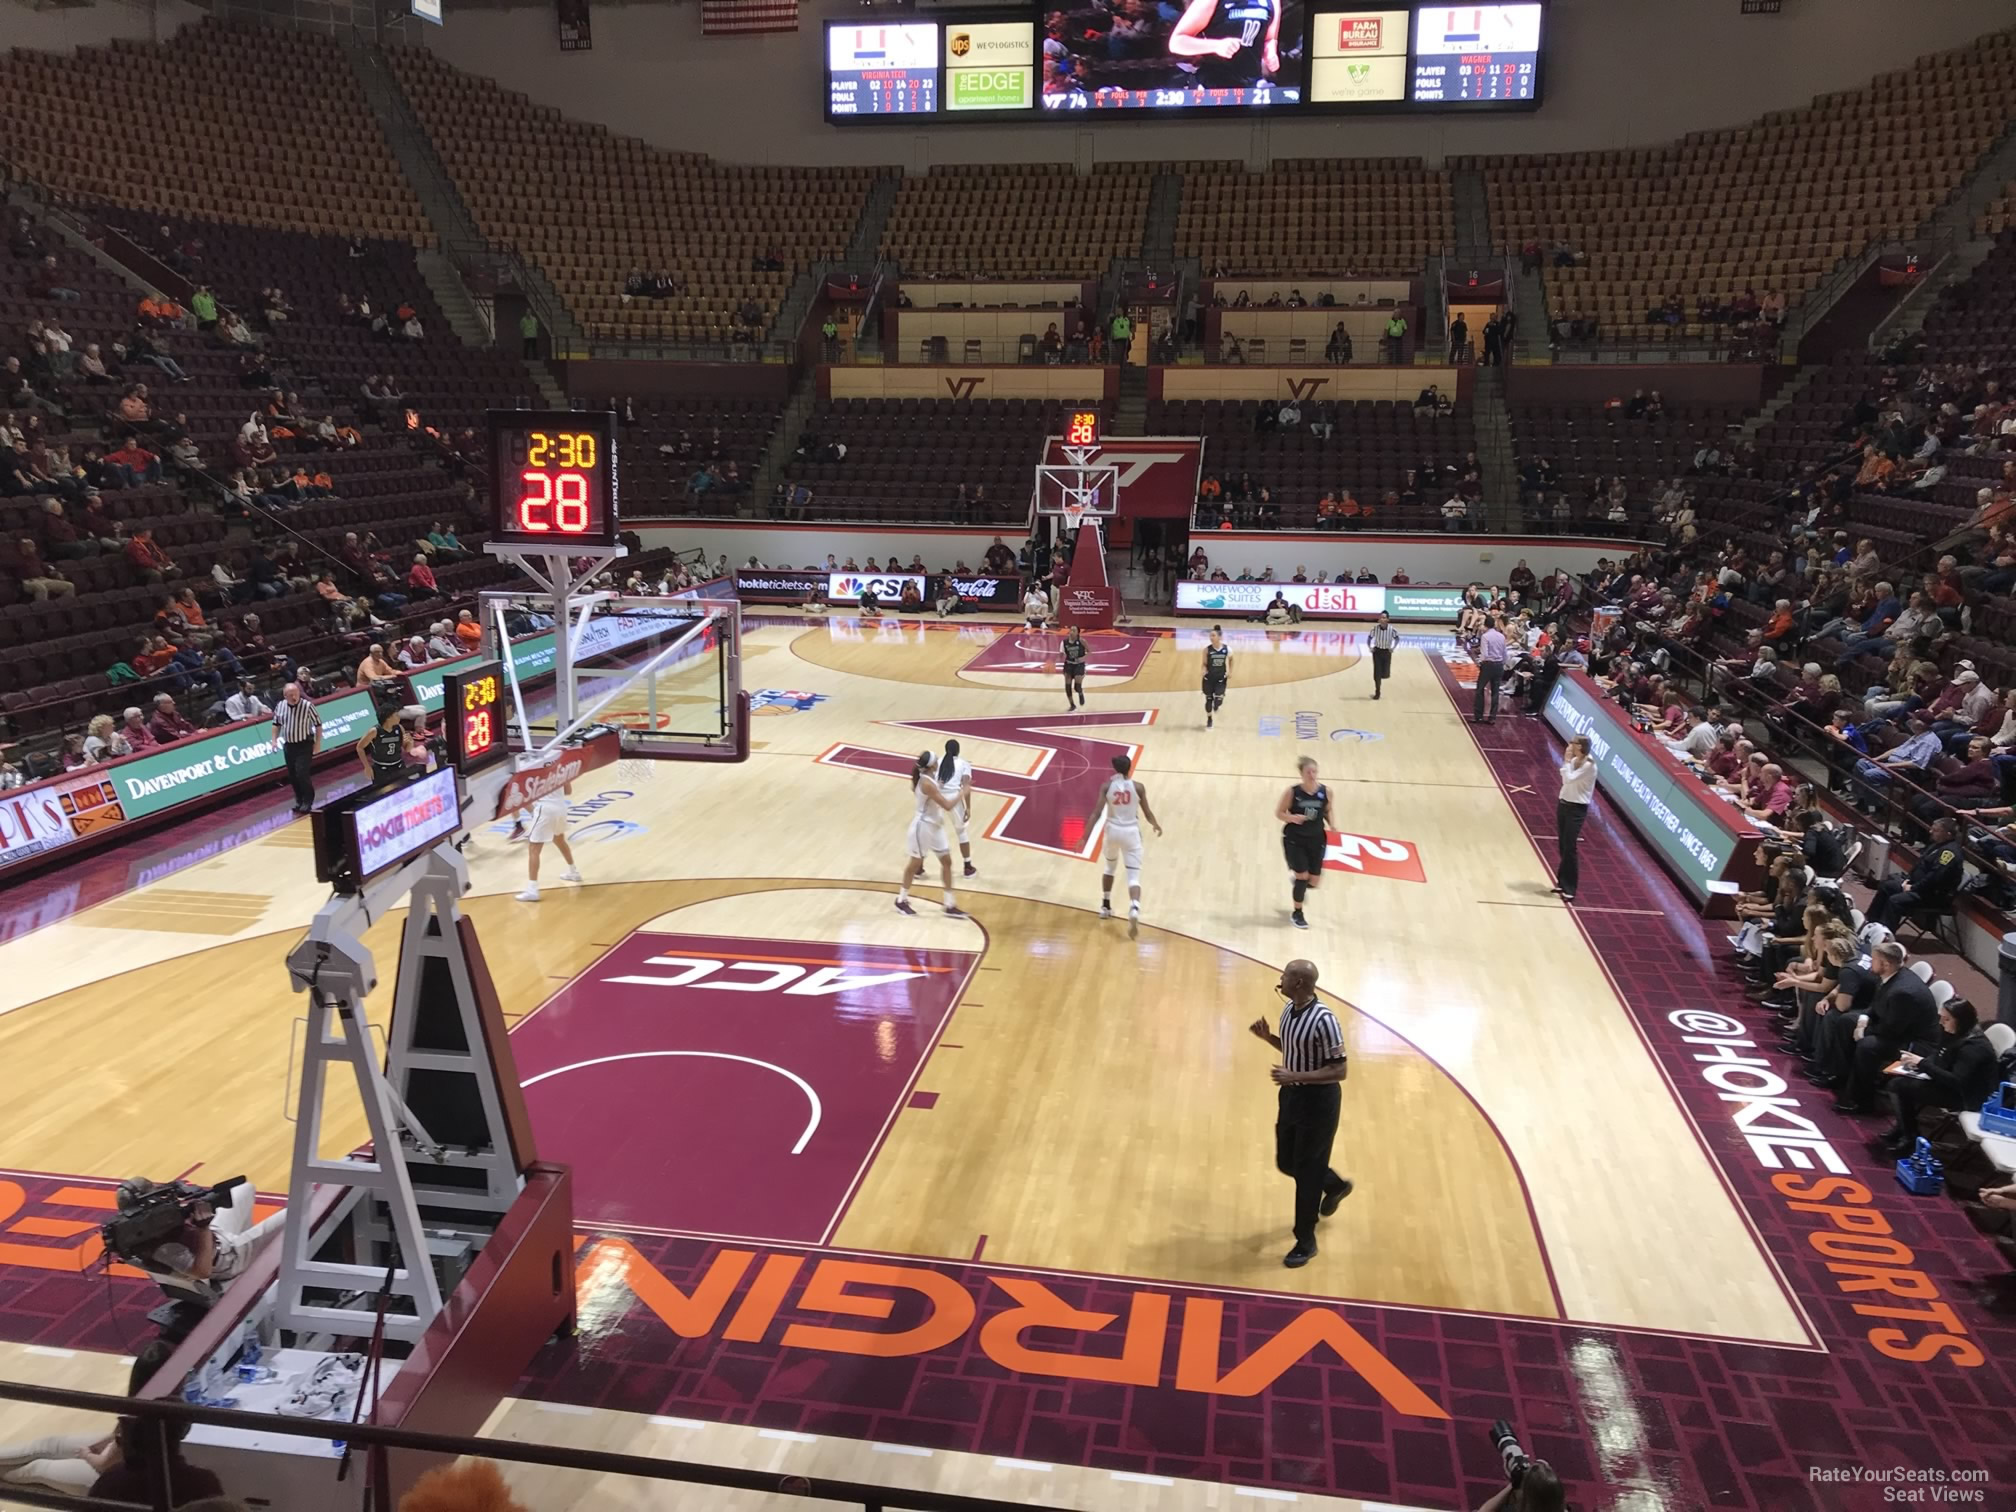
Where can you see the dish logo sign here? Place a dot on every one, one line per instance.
(1332, 598)
(1360, 33)
(1370, 856)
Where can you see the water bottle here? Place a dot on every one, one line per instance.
(250, 1370)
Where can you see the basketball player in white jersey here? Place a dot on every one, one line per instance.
(1124, 804)
(955, 785)
(927, 834)
(549, 827)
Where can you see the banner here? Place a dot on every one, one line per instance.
(1158, 474)
(524, 788)
(1699, 837)
(789, 586)
(1321, 600)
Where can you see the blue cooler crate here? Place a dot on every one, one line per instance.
(1996, 1119)
(1920, 1173)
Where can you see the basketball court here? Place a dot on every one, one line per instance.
(937, 1184)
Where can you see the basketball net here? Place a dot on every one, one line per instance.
(1078, 498)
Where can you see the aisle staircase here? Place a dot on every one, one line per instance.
(1130, 410)
(783, 440)
(1491, 425)
(865, 245)
(1158, 235)
(455, 230)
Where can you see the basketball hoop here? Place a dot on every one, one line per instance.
(1073, 510)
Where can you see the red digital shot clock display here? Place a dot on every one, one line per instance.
(553, 478)
(476, 713)
(1082, 428)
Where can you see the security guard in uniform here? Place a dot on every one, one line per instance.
(1930, 884)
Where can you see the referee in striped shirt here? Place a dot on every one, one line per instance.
(1384, 638)
(1312, 1065)
(297, 725)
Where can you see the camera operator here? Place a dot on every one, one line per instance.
(210, 1247)
(1530, 1485)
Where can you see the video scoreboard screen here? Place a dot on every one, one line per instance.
(1246, 56)
(882, 69)
(1476, 54)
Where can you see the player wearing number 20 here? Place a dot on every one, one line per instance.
(1229, 44)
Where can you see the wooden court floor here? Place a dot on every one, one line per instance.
(1515, 1148)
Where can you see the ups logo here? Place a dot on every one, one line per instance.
(961, 44)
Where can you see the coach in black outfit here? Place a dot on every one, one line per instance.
(1958, 1076)
(1854, 1048)
(1312, 1066)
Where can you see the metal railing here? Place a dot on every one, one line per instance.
(376, 1443)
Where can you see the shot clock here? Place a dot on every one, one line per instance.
(474, 707)
(1081, 428)
(552, 478)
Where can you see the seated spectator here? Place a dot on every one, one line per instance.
(414, 653)
(148, 559)
(467, 630)
(375, 668)
(420, 581)
(168, 724)
(39, 578)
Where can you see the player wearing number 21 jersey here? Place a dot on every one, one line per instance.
(1123, 804)
(1229, 44)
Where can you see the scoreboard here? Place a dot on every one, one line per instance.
(1476, 54)
(886, 68)
(1283, 57)
(553, 478)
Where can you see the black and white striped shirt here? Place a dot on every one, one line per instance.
(1310, 1038)
(295, 721)
(1384, 637)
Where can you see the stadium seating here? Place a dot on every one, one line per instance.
(1308, 217)
(1041, 221)
(261, 128)
(1590, 444)
(907, 458)
(1373, 446)
(1771, 206)
(589, 208)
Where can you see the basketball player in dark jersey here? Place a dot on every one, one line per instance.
(1217, 672)
(1074, 669)
(1304, 812)
(382, 753)
(1233, 44)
